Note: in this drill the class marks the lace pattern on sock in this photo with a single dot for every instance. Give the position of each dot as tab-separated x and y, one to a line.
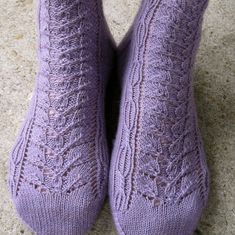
160	154
59	147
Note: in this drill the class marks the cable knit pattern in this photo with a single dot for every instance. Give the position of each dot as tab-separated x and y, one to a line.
59	164
158	165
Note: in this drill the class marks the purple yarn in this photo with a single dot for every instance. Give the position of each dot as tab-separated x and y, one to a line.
158	175
59	164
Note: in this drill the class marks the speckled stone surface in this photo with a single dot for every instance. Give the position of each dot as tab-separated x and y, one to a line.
214	87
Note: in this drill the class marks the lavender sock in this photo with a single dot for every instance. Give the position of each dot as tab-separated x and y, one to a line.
159	177
59	164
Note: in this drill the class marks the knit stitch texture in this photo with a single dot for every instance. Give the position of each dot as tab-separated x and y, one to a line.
59	164
159	177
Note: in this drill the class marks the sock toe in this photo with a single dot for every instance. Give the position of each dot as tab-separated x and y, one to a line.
173	219
58	214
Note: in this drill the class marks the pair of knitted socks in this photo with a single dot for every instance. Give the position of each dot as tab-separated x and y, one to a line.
59	166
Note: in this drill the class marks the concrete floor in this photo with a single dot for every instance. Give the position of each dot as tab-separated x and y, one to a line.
214	86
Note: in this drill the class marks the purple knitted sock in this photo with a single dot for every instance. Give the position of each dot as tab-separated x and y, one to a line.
59	165
158	179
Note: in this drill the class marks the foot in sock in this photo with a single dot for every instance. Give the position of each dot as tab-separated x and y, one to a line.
159	177
59	164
